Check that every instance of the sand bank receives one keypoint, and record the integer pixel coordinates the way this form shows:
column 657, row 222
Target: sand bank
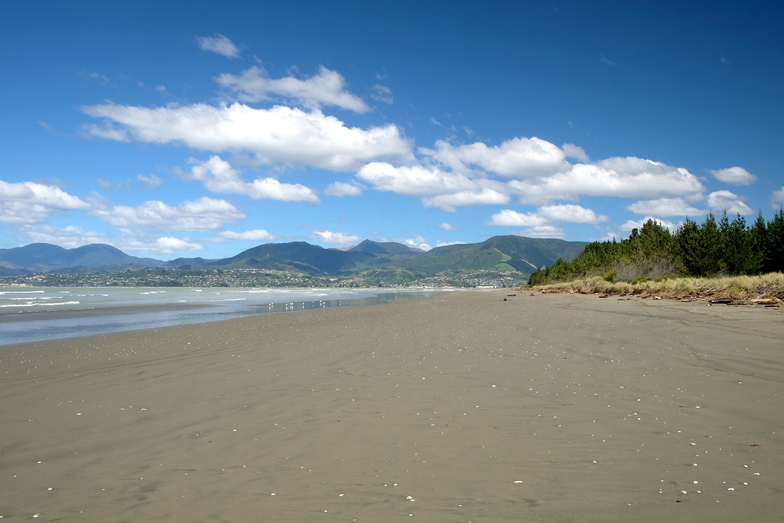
column 455, row 407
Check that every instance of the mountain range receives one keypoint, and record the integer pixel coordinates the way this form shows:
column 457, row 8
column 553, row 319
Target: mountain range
column 498, row 254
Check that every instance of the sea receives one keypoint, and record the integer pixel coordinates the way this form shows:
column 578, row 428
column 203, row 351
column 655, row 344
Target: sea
column 29, row 314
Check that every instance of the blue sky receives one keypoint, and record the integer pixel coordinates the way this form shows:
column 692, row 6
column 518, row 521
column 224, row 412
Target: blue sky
column 173, row 129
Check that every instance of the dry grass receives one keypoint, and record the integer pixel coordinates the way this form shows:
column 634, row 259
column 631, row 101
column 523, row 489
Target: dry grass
column 765, row 286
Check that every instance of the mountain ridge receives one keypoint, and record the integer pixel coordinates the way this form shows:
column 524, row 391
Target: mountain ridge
column 500, row 254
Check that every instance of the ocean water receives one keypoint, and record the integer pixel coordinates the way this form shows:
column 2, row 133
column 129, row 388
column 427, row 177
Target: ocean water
column 34, row 314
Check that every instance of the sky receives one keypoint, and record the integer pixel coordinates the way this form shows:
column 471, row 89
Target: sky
column 182, row 129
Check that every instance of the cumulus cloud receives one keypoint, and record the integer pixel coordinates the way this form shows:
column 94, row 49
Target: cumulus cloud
column 445, row 227
column 204, row 214
column 259, row 235
column 515, row 158
column 720, row 201
column 415, row 180
column 30, row 202
column 637, row 224
column 479, row 196
column 68, row 237
column 517, row 219
column 571, row 214
column 272, row 189
column 665, row 207
column 544, row 231
column 575, row 152
column 340, row 238
column 437, row 188
column 341, row 189
column 628, row 177
column 279, row 134
column 162, row 245
column 734, row 175
column 417, row 242
column 168, row 244
column 217, row 175
column 326, row 87
column 218, row 44
column 777, row 199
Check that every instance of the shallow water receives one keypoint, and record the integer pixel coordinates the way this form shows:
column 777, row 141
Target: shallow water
column 34, row 314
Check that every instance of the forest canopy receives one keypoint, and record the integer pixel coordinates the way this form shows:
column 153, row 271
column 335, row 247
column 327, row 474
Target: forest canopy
column 721, row 247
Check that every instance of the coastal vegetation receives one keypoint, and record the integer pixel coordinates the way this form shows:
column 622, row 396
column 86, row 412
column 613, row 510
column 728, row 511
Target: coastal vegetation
column 723, row 254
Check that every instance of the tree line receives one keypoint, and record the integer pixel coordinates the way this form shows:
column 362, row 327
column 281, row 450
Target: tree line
column 720, row 247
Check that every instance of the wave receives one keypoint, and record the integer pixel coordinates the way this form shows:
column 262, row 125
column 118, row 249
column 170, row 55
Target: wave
column 34, row 304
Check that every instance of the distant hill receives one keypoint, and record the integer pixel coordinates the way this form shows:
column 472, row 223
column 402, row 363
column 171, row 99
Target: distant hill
column 301, row 256
column 498, row 254
column 384, row 248
column 45, row 257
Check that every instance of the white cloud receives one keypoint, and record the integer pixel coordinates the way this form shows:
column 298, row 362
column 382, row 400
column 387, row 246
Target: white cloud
column 279, row 134
column 508, row 217
column 735, row 175
column 97, row 77
column 544, row 231
column 218, row 44
column 777, row 199
column 445, row 227
column 571, row 214
column 382, row 93
column 576, row 152
column 628, row 177
column 217, row 175
column 272, row 189
column 515, row 158
column 30, row 202
column 167, row 245
column 479, row 196
column 106, row 132
column 204, row 214
column 255, row 235
column 341, row 238
column 417, row 180
column 637, row 224
column 720, row 201
column 341, row 189
column 149, row 182
column 665, row 207
column 325, row 88
column 437, row 188
column 417, row 242
column 68, row 237
column 162, row 245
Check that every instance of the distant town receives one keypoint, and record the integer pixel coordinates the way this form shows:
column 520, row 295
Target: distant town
column 203, row 277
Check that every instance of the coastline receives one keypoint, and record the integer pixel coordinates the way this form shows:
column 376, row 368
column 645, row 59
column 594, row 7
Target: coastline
column 455, row 407
column 101, row 311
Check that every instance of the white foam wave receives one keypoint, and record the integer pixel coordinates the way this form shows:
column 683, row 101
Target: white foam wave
column 35, row 304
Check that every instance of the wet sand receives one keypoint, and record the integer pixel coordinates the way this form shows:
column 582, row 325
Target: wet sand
column 456, row 407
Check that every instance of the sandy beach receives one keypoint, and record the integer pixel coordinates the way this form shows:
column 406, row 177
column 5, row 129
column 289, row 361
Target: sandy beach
column 462, row 406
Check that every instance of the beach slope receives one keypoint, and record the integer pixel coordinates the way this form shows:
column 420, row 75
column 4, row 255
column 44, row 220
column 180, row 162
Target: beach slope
column 462, row 406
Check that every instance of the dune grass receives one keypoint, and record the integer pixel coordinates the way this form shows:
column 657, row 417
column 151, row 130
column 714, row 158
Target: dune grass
column 741, row 287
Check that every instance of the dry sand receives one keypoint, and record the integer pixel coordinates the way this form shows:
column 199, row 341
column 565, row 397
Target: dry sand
column 457, row 407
